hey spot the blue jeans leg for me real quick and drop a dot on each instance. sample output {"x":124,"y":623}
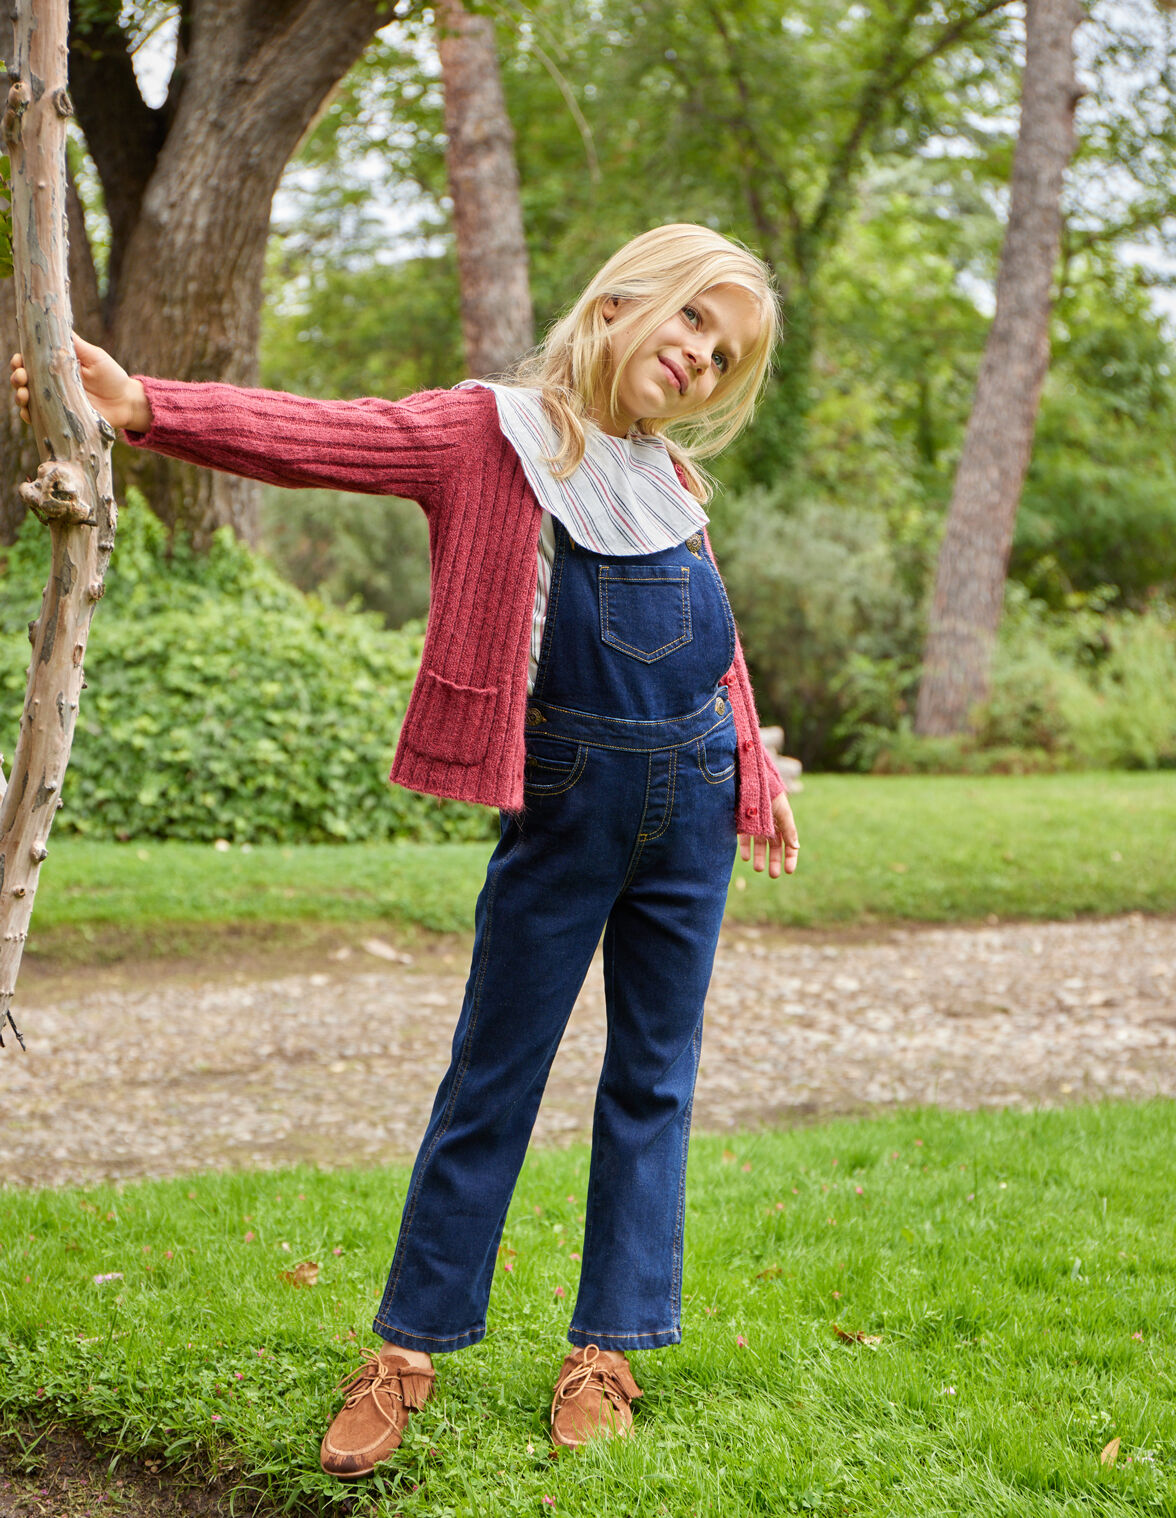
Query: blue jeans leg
{"x":537,"y":923}
{"x":659,"y":952}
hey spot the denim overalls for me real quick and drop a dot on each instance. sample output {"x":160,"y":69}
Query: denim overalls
{"x":629,"y":828}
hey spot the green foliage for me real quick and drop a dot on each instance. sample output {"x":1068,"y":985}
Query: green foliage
{"x":223,"y":703}
{"x":1088,"y":688}
{"x":1013,"y":1270}
{"x":1082,"y":688}
{"x":349,"y":549}
{"x":1099,"y":506}
{"x":813,"y":591}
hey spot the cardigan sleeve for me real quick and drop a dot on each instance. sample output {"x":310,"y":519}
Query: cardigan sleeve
{"x":771,"y":774}
{"x":372,"y":446}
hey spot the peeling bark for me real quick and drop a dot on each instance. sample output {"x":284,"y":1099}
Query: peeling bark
{"x":17,"y":446}
{"x":973,"y":559}
{"x":73,"y":492}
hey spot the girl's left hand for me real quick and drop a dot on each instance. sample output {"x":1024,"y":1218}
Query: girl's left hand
{"x":785,"y":844}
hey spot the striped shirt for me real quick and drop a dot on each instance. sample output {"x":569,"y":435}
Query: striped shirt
{"x":624,"y":498}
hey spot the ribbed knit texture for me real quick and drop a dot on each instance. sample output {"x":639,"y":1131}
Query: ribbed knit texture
{"x":463,"y":733}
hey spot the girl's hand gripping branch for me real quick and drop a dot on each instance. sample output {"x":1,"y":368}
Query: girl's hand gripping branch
{"x":785,"y":845}
{"x":109,"y":388}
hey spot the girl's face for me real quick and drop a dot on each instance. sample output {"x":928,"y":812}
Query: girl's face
{"x":676,"y":367}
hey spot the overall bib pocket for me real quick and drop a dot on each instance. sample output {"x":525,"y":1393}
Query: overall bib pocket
{"x":644,"y":609}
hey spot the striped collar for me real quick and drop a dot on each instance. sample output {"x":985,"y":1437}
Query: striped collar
{"x":623,"y":499}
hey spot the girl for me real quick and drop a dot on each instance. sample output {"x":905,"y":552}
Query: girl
{"x":581,"y":672}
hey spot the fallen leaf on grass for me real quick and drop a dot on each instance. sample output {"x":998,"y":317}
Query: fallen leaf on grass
{"x":770,"y":1274}
{"x":1110,"y":1453}
{"x":729,"y":1156}
{"x":304,"y":1274}
{"x":856,"y":1336}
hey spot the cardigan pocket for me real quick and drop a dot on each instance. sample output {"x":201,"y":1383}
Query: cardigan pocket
{"x":452,"y":722}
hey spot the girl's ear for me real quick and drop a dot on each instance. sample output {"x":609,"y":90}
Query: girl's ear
{"x":610,"y":308}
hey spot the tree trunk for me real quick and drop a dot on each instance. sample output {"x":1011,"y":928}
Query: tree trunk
{"x":496,"y":318}
{"x":973,"y":559}
{"x":73,"y":492}
{"x":188,"y":188}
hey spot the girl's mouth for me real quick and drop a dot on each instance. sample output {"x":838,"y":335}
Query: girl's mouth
{"x":676,"y":375}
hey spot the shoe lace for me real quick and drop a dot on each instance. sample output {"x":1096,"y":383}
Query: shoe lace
{"x":376,"y":1375}
{"x":587,"y":1373}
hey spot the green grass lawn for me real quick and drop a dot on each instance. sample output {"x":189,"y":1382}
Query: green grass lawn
{"x":1015,"y":1273}
{"x":874,"y":849}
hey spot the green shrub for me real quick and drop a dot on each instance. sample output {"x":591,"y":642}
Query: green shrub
{"x":221,"y":702}
{"x":818,"y":593}
{"x":1083,"y":688}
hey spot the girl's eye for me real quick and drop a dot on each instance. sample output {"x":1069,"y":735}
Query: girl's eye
{"x":721,"y":363}
{"x":691,"y":315}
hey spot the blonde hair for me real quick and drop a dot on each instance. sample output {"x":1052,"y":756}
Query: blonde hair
{"x":663,"y":270}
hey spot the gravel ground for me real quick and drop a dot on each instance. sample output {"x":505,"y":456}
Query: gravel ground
{"x":161,"y":1073}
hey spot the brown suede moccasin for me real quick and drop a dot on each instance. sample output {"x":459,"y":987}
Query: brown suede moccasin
{"x":367,"y":1428}
{"x":592,"y":1398}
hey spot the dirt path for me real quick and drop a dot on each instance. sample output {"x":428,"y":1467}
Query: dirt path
{"x":159,"y":1073}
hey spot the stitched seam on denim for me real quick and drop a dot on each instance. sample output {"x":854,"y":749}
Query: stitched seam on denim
{"x":680,"y":1225}
{"x":432,"y":1338}
{"x":663,"y":574}
{"x":639,"y":843}
{"x":459,"y":1076}
{"x":710,"y":776}
{"x":620,"y":748}
{"x":536,"y":761}
{"x":558,"y":790}
{"x":624,"y":1333}
{"x":639,"y":722}
{"x":667,"y":815}
{"x":593,"y":1170}
{"x":647,"y":656}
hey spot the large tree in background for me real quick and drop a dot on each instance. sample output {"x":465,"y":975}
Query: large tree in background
{"x":496,"y":318}
{"x":187,"y":188}
{"x":973,"y":560}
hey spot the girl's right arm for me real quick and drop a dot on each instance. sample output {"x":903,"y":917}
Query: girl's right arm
{"x":109,"y":388}
{"x":374,"y":446}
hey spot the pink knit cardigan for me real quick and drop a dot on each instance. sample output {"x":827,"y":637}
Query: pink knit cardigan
{"x":463,"y":732}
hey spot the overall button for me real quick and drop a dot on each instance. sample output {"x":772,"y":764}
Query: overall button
{"x":694,"y":544}
{"x":720,"y":705}
{"x":534,"y":716}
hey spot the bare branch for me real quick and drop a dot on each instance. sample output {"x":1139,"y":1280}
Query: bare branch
{"x":892,"y":72}
{"x":72,"y":493}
